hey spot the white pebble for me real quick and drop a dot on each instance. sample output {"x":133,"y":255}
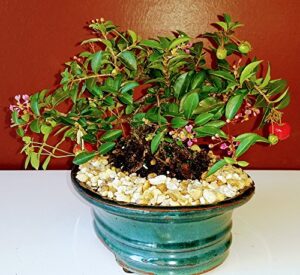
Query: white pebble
{"x":209,"y":196}
{"x":158,"y":180}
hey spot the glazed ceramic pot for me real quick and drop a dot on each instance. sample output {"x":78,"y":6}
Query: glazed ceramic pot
{"x":164,"y":240}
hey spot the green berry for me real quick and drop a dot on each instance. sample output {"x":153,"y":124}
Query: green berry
{"x":245,"y":47}
{"x":221,"y":53}
{"x":273,"y":139}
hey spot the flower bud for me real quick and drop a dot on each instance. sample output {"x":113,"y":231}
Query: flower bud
{"x":273,"y":139}
{"x":245,"y":47}
{"x":221,"y":53}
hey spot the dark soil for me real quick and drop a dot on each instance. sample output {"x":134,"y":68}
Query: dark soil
{"x":133,"y":154}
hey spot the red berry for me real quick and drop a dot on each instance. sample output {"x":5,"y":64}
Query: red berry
{"x":282,"y":131}
{"x":87,"y":147}
{"x":77,"y":149}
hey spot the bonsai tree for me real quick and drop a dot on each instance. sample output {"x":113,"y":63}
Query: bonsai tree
{"x":163,"y":102}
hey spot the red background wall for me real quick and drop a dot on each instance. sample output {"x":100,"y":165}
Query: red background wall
{"x":37,"y":37}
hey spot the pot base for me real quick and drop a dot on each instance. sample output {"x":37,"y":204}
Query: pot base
{"x":164,"y":240}
{"x":126,"y":270}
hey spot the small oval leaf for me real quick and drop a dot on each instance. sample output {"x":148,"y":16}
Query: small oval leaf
{"x":129,"y":60}
{"x":203,"y":118}
{"x":106,"y":147}
{"x":156,"y":141}
{"x":111,"y":135}
{"x":178,"y":122}
{"x":248,"y":70}
{"x":96,"y":61}
{"x":189,"y":103}
{"x":178,"y":41}
{"x":233,"y":105}
{"x":218,"y":165}
{"x":84,"y":157}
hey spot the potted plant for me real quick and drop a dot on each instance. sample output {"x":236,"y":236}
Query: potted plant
{"x":157,"y":139}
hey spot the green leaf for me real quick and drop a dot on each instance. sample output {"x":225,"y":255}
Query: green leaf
{"x":284,"y":102}
{"x":59,"y":96}
{"x":67,"y":121}
{"x":204,"y":131}
{"x":227,"y":18}
{"x":126,"y":98}
{"x":208,"y":104}
{"x":276,"y":86}
{"x":218,"y":165}
{"x":15,"y":117}
{"x":84,"y":157}
{"x":106,"y":42}
{"x":223,"y":25}
{"x":198,"y":80}
{"x":248,"y":71}
{"x":203,"y":118}
{"x":156,"y":141}
{"x":46,"y":162}
{"x":171,"y":109}
{"x":178,"y":41}
{"x":181,"y":84}
{"x":111,"y":135}
{"x":34,"y":103}
{"x":34,"y":160}
{"x":129,"y":109}
{"x":26,"y":139}
{"x":243,"y":163}
{"x":189,"y":103}
{"x":151,"y":44}
{"x":20,"y":131}
{"x":106,"y":147}
{"x":46,"y":130}
{"x":129,"y":60}
{"x":281,"y":96}
{"x":137,"y":119}
{"x":216,"y":123}
{"x":233,"y":105}
{"x":96,"y":61}
{"x":27,"y":161}
{"x":267,"y":78}
{"x":73,"y":93}
{"x":255,"y":136}
{"x":129,"y":86}
{"x":133,"y":36}
{"x":224,"y":74}
{"x":245,"y":145}
{"x":25,"y":117}
{"x":35,"y":126}
{"x":178,"y":122}
{"x":229,"y":160}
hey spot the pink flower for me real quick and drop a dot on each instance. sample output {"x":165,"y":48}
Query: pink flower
{"x":189,"y":45}
{"x":25,"y":98}
{"x":17,"y":98}
{"x":189,"y":128}
{"x":223,"y":146}
{"x":22,"y":103}
{"x":12,"y":108}
{"x":229,"y":153}
{"x":189,"y":143}
{"x":248,"y":112}
{"x":187,"y":51}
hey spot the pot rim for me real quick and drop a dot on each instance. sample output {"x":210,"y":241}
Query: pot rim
{"x":242,"y":198}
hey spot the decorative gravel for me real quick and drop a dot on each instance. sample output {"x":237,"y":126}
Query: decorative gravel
{"x":160,"y":190}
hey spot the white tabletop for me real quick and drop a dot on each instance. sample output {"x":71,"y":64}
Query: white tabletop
{"x":45,"y":228}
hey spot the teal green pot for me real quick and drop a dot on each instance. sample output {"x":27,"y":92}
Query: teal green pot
{"x":164,"y":240}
